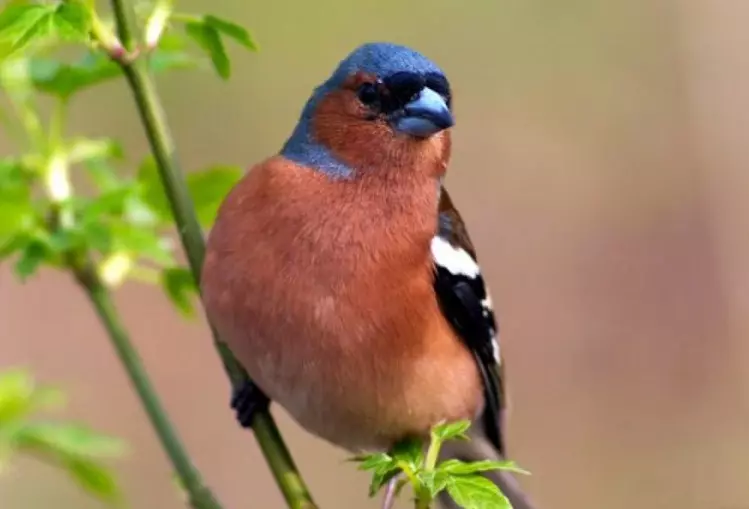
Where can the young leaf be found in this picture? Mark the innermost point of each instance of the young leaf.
(16, 211)
(63, 79)
(33, 255)
(13, 243)
(209, 40)
(383, 466)
(157, 22)
(457, 467)
(94, 67)
(476, 492)
(179, 285)
(162, 60)
(94, 478)
(72, 21)
(68, 440)
(435, 481)
(96, 236)
(114, 268)
(16, 390)
(208, 189)
(142, 242)
(376, 461)
(233, 30)
(451, 431)
(22, 22)
(409, 452)
(380, 478)
(20, 395)
(86, 149)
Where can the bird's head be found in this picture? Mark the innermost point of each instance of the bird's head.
(384, 104)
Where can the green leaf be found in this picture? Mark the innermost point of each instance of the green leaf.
(24, 22)
(12, 244)
(94, 67)
(108, 203)
(102, 175)
(376, 461)
(33, 255)
(157, 22)
(380, 478)
(207, 188)
(72, 21)
(232, 30)
(384, 468)
(209, 40)
(94, 478)
(97, 236)
(20, 395)
(16, 209)
(70, 440)
(142, 242)
(476, 492)
(63, 79)
(457, 467)
(435, 481)
(180, 286)
(16, 390)
(85, 149)
(409, 452)
(166, 60)
(451, 431)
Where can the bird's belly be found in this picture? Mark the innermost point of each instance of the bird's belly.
(365, 386)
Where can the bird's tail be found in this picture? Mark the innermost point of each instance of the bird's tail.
(479, 448)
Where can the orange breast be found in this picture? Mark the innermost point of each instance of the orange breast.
(323, 290)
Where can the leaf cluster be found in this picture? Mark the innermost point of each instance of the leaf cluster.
(78, 450)
(116, 216)
(427, 478)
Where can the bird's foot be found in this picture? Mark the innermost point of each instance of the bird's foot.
(247, 400)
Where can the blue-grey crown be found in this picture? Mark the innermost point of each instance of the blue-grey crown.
(378, 58)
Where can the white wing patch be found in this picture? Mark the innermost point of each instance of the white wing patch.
(454, 259)
(495, 349)
(488, 308)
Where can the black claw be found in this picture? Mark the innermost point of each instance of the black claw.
(247, 400)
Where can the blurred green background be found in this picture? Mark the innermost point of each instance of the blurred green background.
(599, 159)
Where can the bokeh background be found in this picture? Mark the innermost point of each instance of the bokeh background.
(600, 161)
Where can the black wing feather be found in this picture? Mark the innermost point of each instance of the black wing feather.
(463, 299)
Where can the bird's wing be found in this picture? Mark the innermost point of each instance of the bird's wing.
(466, 304)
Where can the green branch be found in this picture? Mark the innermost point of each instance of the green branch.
(154, 121)
(199, 495)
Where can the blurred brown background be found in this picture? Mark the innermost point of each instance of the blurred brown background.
(600, 160)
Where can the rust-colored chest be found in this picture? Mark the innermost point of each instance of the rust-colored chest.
(323, 289)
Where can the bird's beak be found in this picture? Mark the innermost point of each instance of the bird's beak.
(425, 115)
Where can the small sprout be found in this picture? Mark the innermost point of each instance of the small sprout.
(157, 23)
(428, 478)
(114, 269)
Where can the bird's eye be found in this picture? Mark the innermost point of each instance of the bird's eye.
(368, 94)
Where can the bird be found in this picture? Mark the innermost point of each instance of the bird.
(341, 275)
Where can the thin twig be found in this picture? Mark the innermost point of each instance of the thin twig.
(161, 142)
(200, 497)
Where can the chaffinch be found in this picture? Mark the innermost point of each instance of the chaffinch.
(343, 278)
